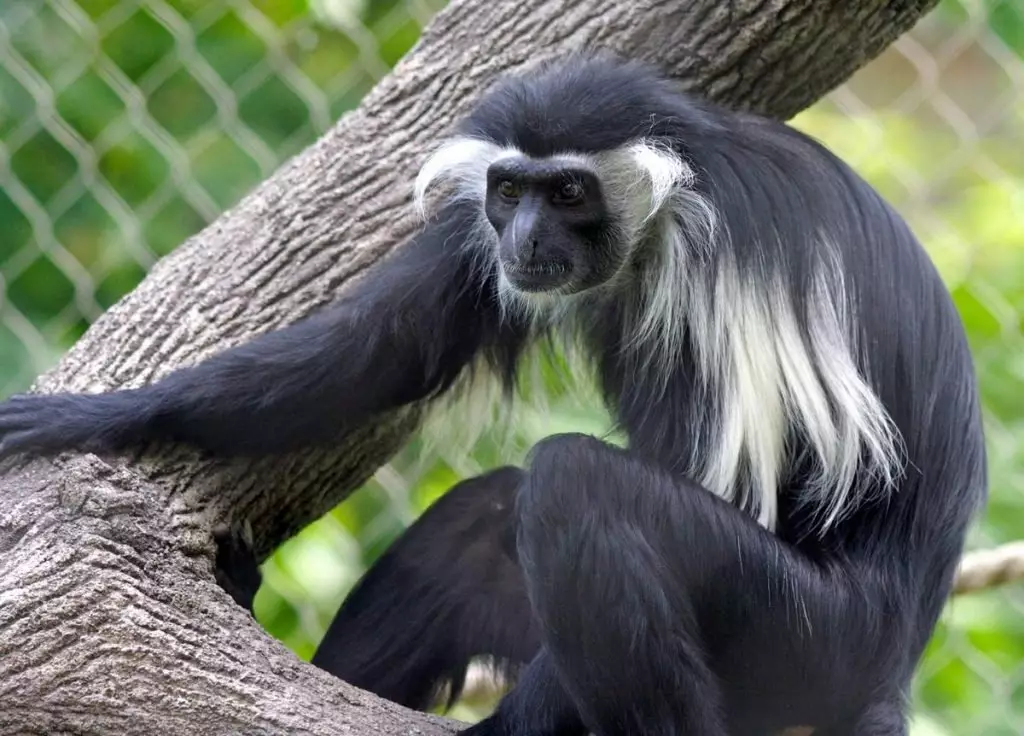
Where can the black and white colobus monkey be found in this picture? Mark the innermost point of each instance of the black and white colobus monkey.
(805, 448)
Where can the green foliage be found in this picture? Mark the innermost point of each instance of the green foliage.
(1005, 18)
(127, 127)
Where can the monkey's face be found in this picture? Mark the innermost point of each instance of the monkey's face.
(555, 231)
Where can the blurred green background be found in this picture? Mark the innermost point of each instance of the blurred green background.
(126, 127)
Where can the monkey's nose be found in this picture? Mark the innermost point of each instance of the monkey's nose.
(525, 251)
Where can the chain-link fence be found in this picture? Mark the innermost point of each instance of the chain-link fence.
(128, 125)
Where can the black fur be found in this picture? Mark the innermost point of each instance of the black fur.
(658, 607)
(587, 105)
(448, 591)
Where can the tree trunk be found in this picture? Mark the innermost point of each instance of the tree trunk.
(110, 619)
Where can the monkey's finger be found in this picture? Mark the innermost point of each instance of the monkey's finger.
(25, 412)
(52, 410)
(10, 422)
(17, 404)
(17, 443)
(30, 403)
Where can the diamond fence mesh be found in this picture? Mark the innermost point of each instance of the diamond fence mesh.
(127, 126)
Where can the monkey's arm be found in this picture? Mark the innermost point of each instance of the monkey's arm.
(402, 334)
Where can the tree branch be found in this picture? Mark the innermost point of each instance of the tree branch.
(110, 622)
(988, 568)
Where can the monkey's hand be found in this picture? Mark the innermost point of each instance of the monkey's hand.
(48, 424)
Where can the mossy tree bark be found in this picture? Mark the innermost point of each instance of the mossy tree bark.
(110, 619)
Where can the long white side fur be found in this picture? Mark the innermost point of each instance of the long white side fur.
(752, 357)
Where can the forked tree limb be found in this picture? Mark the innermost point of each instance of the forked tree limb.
(110, 622)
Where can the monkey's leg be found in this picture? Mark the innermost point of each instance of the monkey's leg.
(448, 590)
(667, 611)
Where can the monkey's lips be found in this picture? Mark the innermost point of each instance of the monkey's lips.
(537, 276)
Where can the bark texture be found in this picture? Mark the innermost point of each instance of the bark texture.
(110, 620)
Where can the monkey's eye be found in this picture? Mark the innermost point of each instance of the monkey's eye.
(509, 189)
(570, 192)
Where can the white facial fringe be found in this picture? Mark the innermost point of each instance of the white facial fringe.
(752, 359)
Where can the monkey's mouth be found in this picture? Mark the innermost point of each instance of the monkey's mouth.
(537, 276)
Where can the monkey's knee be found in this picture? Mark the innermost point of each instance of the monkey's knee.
(571, 529)
(565, 475)
(568, 446)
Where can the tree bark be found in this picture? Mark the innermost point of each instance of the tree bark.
(110, 619)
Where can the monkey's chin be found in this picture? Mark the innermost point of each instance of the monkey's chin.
(538, 279)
